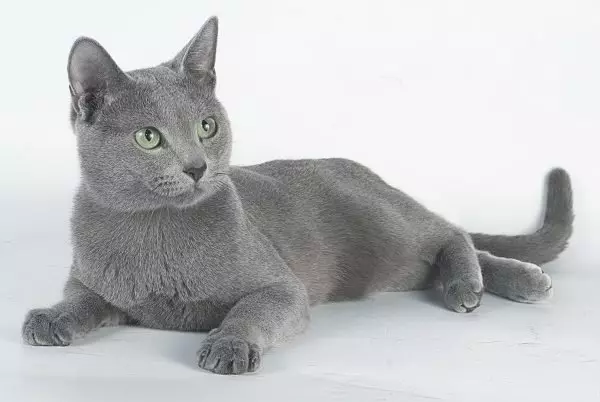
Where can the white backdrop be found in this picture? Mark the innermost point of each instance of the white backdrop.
(463, 104)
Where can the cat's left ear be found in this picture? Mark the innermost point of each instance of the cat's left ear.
(197, 58)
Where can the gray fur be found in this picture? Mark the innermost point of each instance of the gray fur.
(244, 251)
(551, 239)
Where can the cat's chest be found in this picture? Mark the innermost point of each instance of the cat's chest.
(186, 258)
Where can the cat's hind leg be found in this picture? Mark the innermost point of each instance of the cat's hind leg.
(513, 279)
(460, 274)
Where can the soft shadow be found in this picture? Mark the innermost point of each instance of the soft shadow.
(432, 296)
(182, 347)
(97, 335)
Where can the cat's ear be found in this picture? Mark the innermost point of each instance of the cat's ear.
(197, 58)
(91, 73)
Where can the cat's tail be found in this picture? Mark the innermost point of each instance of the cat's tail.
(548, 241)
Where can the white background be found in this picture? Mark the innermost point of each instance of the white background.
(463, 104)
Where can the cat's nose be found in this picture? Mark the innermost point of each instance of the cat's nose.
(195, 172)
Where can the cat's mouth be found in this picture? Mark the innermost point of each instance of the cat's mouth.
(173, 190)
(170, 186)
(183, 193)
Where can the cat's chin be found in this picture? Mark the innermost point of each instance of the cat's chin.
(188, 202)
(193, 196)
(184, 200)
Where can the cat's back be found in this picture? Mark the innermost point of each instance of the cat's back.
(307, 181)
(335, 192)
(320, 184)
(298, 171)
(306, 192)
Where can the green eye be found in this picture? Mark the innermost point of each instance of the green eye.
(148, 138)
(207, 128)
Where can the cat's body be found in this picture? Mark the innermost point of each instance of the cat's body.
(167, 235)
(331, 223)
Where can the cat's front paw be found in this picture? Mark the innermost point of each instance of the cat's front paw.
(463, 296)
(229, 355)
(49, 327)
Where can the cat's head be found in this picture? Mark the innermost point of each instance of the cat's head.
(152, 137)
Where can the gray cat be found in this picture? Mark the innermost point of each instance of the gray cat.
(167, 235)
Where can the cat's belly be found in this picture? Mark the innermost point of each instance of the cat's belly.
(162, 312)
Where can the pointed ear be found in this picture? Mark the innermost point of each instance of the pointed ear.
(91, 72)
(197, 58)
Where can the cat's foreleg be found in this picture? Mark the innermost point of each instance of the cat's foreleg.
(516, 280)
(256, 322)
(80, 311)
(460, 274)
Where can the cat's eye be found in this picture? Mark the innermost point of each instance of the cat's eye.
(207, 128)
(148, 137)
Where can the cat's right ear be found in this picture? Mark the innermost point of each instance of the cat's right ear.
(91, 73)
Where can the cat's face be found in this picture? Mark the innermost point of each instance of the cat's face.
(154, 137)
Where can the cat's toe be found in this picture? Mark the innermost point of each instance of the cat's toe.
(48, 327)
(532, 285)
(229, 355)
(463, 296)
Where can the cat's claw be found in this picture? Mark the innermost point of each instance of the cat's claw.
(229, 355)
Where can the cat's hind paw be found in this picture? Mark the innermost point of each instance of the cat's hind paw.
(530, 285)
(463, 296)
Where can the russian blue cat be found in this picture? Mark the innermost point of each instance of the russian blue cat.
(166, 234)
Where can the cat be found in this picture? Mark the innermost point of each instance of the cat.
(166, 234)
